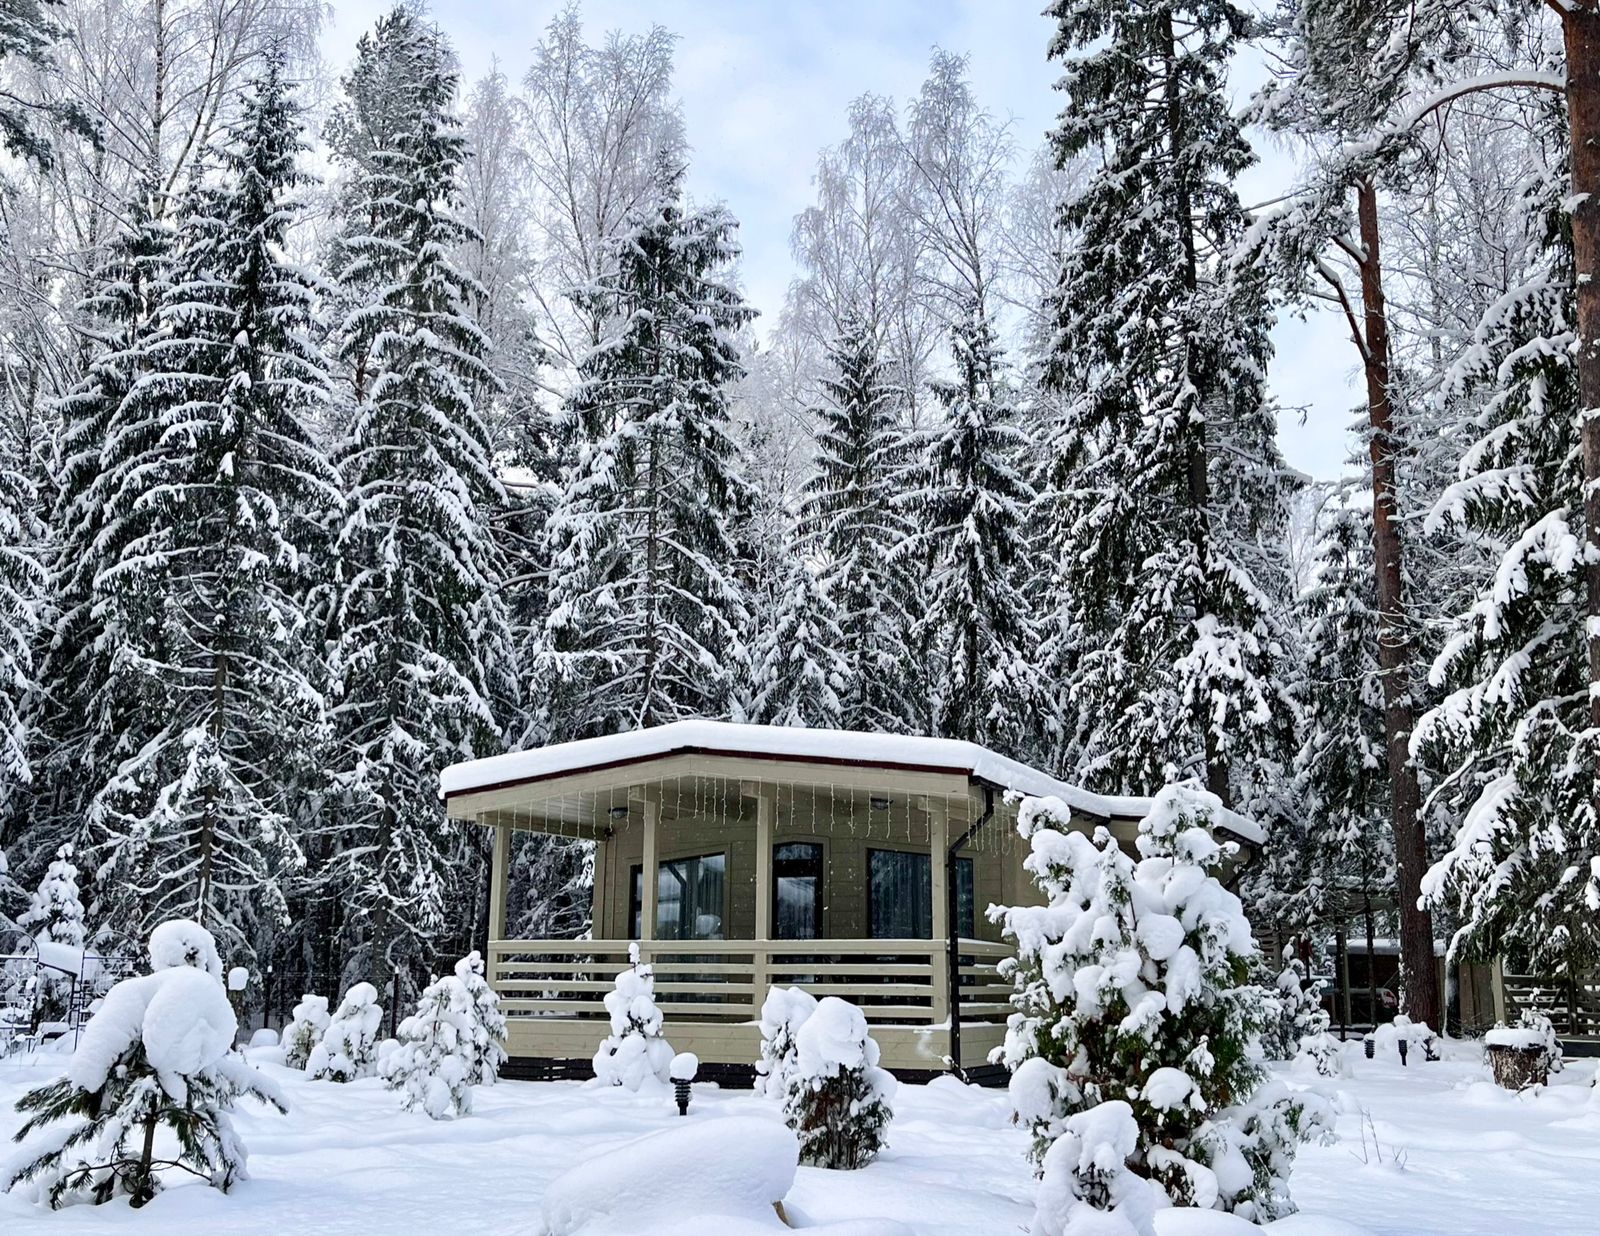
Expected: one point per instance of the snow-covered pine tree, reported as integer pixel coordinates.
(488, 1029)
(55, 912)
(1132, 983)
(1514, 729)
(971, 508)
(157, 1054)
(308, 1022)
(798, 673)
(1297, 1011)
(1160, 359)
(645, 609)
(783, 1012)
(22, 592)
(838, 1101)
(349, 1046)
(434, 1065)
(235, 489)
(636, 1050)
(851, 524)
(422, 638)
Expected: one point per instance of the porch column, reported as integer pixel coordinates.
(650, 805)
(766, 797)
(499, 879)
(939, 847)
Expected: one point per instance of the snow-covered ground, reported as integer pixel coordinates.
(1434, 1148)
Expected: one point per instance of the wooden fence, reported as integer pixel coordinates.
(1573, 1007)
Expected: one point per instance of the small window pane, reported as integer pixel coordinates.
(797, 908)
(901, 895)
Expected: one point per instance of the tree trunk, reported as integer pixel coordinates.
(1418, 980)
(1581, 29)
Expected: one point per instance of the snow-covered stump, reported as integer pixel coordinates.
(838, 1099)
(1523, 1055)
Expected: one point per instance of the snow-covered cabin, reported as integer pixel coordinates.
(740, 856)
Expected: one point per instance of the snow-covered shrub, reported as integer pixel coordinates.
(1321, 1053)
(307, 1024)
(782, 1013)
(55, 913)
(349, 1046)
(1296, 1012)
(837, 1098)
(157, 1054)
(434, 1065)
(183, 942)
(1085, 1187)
(1131, 984)
(488, 1022)
(636, 1050)
(1250, 1148)
(1421, 1042)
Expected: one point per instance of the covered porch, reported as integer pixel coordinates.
(739, 857)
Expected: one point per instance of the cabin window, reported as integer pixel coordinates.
(690, 898)
(797, 877)
(901, 895)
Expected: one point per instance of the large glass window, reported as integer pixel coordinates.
(689, 898)
(797, 905)
(901, 895)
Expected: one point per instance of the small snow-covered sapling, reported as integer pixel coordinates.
(349, 1046)
(307, 1024)
(636, 1050)
(838, 1099)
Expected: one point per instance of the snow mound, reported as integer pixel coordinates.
(183, 942)
(266, 1036)
(1187, 1221)
(713, 1174)
(1314, 1225)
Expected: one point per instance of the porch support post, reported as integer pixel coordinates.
(499, 879)
(650, 805)
(766, 797)
(939, 869)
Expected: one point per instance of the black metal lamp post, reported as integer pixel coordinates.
(684, 1066)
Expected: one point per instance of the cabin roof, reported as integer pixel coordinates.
(848, 747)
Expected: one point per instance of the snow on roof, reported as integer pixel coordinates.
(824, 746)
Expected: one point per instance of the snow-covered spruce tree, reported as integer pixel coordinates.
(434, 1065)
(1132, 983)
(1085, 1185)
(1515, 727)
(783, 1012)
(422, 637)
(851, 524)
(235, 490)
(158, 1054)
(970, 507)
(349, 1046)
(1159, 363)
(55, 913)
(1335, 854)
(89, 716)
(644, 606)
(308, 1022)
(1297, 1012)
(22, 592)
(838, 1101)
(488, 1030)
(796, 667)
(636, 1050)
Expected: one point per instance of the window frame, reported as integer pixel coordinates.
(636, 889)
(821, 844)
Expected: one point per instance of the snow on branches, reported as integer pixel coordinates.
(837, 1099)
(636, 1051)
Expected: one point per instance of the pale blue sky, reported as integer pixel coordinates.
(765, 83)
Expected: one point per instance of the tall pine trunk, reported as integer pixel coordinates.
(1418, 978)
(1581, 32)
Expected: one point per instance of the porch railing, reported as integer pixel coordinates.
(894, 982)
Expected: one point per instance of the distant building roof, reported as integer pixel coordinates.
(855, 747)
